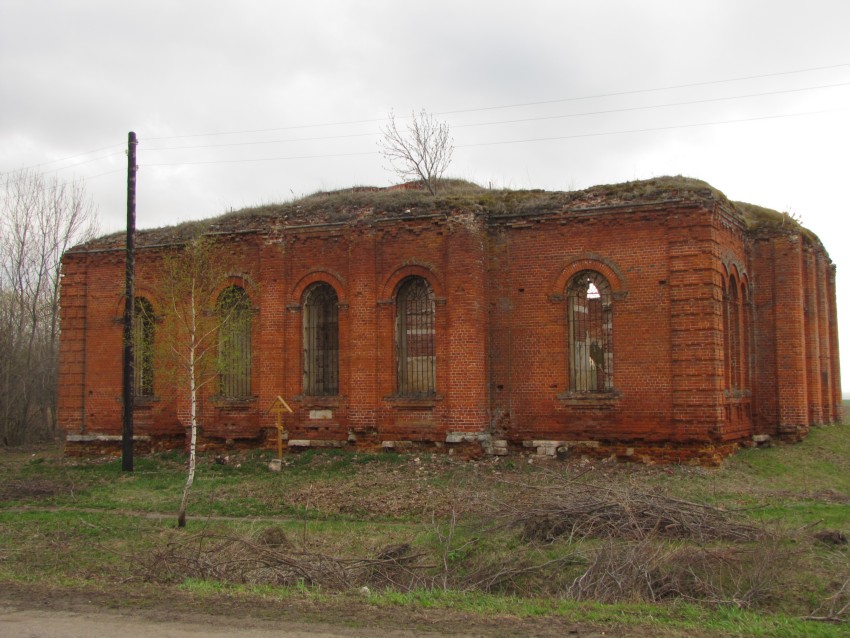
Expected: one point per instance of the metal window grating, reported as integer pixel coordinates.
(589, 318)
(143, 336)
(234, 343)
(321, 341)
(734, 358)
(415, 339)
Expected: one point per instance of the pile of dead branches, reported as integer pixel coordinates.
(578, 510)
(647, 570)
(269, 558)
(653, 547)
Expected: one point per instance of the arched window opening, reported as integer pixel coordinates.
(734, 337)
(746, 345)
(727, 342)
(415, 339)
(234, 343)
(589, 319)
(143, 335)
(321, 341)
(737, 335)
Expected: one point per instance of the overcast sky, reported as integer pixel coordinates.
(249, 102)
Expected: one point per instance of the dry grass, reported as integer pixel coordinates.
(273, 557)
(570, 539)
(578, 510)
(270, 558)
(369, 204)
(743, 576)
(555, 530)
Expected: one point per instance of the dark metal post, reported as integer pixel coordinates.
(129, 303)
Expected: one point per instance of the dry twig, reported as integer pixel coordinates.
(578, 510)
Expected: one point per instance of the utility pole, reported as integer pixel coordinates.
(129, 307)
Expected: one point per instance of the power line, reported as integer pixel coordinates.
(520, 141)
(260, 159)
(258, 142)
(91, 177)
(70, 182)
(65, 159)
(653, 90)
(478, 124)
(655, 128)
(516, 105)
(89, 161)
(653, 106)
(515, 121)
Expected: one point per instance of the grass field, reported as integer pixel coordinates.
(751, 548)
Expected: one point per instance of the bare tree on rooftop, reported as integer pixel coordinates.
(422, 151)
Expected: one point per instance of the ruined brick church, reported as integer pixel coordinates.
(653, 320)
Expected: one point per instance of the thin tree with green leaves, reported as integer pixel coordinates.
(189, 344)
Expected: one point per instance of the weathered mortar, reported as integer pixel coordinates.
(498, 263)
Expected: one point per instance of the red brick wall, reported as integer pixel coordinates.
(798, 378)
(736, 388)
(834, 370)
(501, 326)
(668, 340)
(71, 392)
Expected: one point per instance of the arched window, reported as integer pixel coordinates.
(321, 341)
(734, 336)
(415, 339)
(737, 327)
(727, 340)
(143, 334)
(591, 366)
(746, 337)
(234, 343)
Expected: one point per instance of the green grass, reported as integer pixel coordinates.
(219, 489)
(82, 523)
(680, 616)
(802, 484)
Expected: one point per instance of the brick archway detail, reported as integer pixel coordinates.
(411, 270)
(139, 291)
(589, 261)
(732, 265)
(325, 276)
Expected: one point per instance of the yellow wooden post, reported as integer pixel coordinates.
(280, 437)
(279, 407)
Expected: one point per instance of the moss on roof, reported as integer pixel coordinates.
(755, 216)
(365, 203)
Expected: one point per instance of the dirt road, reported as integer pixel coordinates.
(40, 613)
(38, 623)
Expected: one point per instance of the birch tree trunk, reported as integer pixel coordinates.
(193, 410)
(188, 348)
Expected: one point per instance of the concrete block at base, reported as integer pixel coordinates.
(496, 448)
(396, 445)
(544, 448)
(317, 443)
(103, 438)
(466, 437)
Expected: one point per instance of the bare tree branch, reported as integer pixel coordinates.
(421, 152)
(40, 219)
